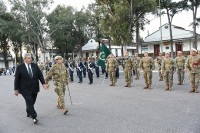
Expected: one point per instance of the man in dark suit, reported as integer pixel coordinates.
(26, 83)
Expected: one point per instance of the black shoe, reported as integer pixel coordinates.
(35, 121)
(29, 116)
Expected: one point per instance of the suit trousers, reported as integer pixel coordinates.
(30, 100)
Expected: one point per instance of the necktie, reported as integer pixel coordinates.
(29, 71)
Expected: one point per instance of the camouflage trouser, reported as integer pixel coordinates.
(194, 79)
(127, 74)
(181, 75)
(160, 73)
(137, 73)
(60, 91)
(112, 75)
(168, 76)
(148, 77)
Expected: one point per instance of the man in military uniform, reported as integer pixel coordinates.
(168, 68)
(147, 65)
(136, 62)
(84, 68)
(193, 65)
(80, 70)
(128, 67)
(111, 68)
(159, 60)
(180, 65)
(60, 78)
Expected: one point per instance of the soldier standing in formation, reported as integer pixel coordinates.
(111, 67)
(168, 68)
(193, 65)
(159, 60)
(71, 71)
(147, 65)
(136, 62)
(79, 71)
(90, 70)
(128, 67)
(180, 65)
(60, 78)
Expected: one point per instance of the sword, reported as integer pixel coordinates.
(69, 94)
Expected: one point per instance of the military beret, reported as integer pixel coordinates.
(58, 57)
(193, 49)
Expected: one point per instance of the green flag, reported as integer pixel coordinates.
(104, 53)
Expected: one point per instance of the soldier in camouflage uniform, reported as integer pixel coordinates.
(147, 65)
(60, 78)
(136, 62)
(159, 60)
(193, 65)
(128, 67)
(180, 65)
(111, 67)
(168, 68)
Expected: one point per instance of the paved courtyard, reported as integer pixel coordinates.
(101, 108)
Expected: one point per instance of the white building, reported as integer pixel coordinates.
(91, 49)
(182, 40)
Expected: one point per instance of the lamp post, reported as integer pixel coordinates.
(161, 42)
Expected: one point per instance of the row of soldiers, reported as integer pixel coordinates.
(167, 67)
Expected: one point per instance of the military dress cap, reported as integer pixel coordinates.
(58, 57)
(193, 49)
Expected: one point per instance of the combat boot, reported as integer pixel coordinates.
(126, 85)
(196, 90)
(170, 88)
(114, 84)
(179, 83)
(146, 87)
(111, 84)
(129, 85)
(167, 88)
(149, 86)
(193, 90)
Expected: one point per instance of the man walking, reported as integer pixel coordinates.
(26, 83)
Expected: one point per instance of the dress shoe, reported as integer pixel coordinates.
(35, 121)
(29, 116)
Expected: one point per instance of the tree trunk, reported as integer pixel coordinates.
(137, 36)
(5, 52)
(171, 36)
(20, 48)
(194, 10)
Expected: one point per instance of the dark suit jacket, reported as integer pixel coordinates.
(24, 83)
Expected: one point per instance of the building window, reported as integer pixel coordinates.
(145, 48)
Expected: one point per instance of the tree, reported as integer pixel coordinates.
(171, 9)
(69, 28)
(121, 18)
(32, 16)
(193, 5)
(6, 24)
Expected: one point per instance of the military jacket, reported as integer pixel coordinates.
(180, 62)
(147, 63)
(59, 74)
(193, 64)
(136, 61)
(112, 64)
(168, 64)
